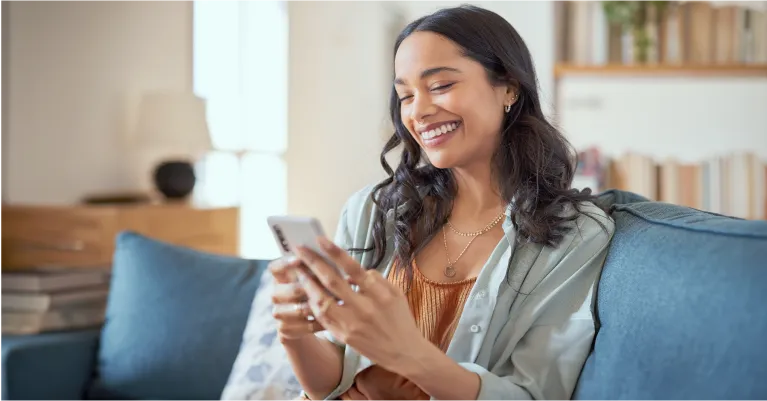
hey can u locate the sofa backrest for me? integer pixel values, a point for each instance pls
(681, 307)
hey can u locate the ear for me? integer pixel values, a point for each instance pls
(512, 93)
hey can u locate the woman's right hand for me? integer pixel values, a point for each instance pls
(289, 299)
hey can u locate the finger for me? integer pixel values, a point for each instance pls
(346, 397)
(353, 394)
(374, 285)
(342, 259)
(292, 312)
(324, 308)
(290, 293)
(328, 276)
(298, 329)
(283, 269)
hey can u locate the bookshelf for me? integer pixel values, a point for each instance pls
(562, 70)
(671, 99)
(695, 36)
(733, 184)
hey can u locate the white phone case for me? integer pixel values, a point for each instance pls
(293, 231)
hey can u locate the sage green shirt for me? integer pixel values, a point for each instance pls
(527, 327)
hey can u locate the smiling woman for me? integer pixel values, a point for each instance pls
(474, 261)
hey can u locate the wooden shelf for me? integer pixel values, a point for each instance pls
(750, 70)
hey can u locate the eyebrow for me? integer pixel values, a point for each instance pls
(428, 73)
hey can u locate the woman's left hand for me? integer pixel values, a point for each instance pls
(376, 321)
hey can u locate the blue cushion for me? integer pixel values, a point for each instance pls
(681, 306)
(174, 321)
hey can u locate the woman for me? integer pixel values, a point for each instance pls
(475, 263)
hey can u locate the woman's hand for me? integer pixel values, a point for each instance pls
(289, 299)
(376, 321)
(353, 394)
(377, 383)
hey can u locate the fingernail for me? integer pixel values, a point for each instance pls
(290, 259)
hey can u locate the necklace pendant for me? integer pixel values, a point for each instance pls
(449, 271)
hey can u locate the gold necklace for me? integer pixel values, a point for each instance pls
(450, 268)
(480, 232)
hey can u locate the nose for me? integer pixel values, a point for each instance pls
(422, 107)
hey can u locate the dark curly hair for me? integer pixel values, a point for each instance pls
(533, 166)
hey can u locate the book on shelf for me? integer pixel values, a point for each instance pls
(733, 184)
(591, 171)
(679, 33)
(53, 299)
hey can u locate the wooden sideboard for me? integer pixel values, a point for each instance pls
(84, 235)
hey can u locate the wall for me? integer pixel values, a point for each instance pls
(337, 103)
(71, 68)
(4, 86)
(692, 119)
(340, 75)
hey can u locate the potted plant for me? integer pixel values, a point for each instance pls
(633, 16)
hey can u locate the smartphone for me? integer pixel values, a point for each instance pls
(293, 231)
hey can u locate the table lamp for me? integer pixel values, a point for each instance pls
(174, 123)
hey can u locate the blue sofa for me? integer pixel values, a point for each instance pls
(681, 305)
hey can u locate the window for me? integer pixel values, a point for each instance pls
(241, 68)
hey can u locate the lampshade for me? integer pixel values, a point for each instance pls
(173, 122)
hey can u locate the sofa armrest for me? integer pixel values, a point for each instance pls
(48, 366)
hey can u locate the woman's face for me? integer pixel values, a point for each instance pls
(448, 104)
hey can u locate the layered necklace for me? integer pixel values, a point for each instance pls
(450, 268)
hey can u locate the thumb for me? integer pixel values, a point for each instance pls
(284, 270)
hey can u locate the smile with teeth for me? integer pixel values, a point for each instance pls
(445, 128)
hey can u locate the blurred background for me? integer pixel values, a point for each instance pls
(281, 107)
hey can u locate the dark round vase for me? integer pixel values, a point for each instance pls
(175, 179)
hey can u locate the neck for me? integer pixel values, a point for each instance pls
(478, 198)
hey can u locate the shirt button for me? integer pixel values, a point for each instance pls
(481, 294)
(474, 328)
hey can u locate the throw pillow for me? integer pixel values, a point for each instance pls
(261, 370)
(174, 321)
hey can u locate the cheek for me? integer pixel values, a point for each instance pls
(404, 115)
(482, 115)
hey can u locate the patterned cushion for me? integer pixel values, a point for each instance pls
(261, 370)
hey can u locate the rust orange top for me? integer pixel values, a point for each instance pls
(436, 306)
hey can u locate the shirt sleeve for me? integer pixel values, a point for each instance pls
(547, 360)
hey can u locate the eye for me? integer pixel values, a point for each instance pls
(442, 87)
(406, 97)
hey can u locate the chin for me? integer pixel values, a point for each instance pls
(441, 160)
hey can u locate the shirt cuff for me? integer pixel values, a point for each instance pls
(493, 387)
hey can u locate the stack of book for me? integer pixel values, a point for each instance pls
(42, 300)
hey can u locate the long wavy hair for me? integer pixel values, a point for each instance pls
(533, 166)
